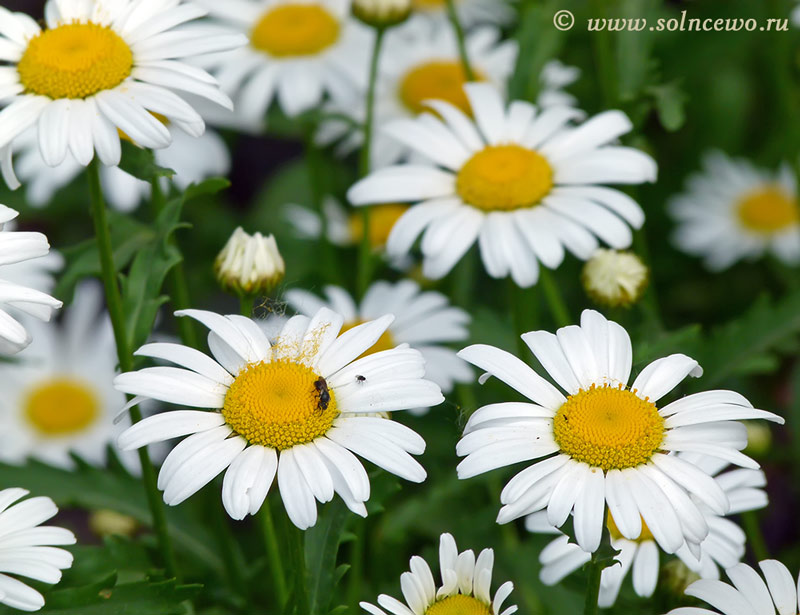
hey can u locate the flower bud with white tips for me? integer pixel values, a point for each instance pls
(382, 13)
(615, 278)
(249, 265)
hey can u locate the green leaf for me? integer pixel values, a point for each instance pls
(107, 598)
(141, 163)
(746, 344)
(94, 488)
(128, 237)
(321, 548)
(670, 103)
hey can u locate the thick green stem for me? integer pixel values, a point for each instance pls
(604, 56)
(592, 586)
(462, 46)
(365, 249)
(273, 554)
(246, 303)
(176, 279)
(117, 315)
(297, 556)
(552, 294)
(524, 308)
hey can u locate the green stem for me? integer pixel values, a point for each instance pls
(604, 55)
(297, 557)
(592, 586)
(176, 279)
(552, 294)
(246, 303)
(755, 537)
(117, 315)
(356, 572)
(273, 554)
(365, 249)
(524, 311)
(462, 46)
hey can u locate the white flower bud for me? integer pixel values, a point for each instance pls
(249, 264)
(382, 13)
(615, 279)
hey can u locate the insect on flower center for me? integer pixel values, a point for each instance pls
(768, 210)
(75, 60)
(61, 407)
(438, 79)
(459, 604)
(609, 428)
(504, 177)
(295, 30)
(645, 536)
(279, 404)
(381, 220)
(385, 341)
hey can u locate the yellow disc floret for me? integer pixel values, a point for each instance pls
(645, 536)
(768, 210)
(382, 219)
(504, 177)
(279, 404)
(609, 428)
(459, 604)
(75, 61)
(61, 407)
(295, 30)
(437, 79)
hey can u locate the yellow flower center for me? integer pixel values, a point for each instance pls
(504, 177)
(459, 604)
(385, 341)
(609, 428)
(768, 210)
(438, 79)
(381, 220)
(61, 407)
(279, 404)
(295, 30)
(645, 536)
(75, 61)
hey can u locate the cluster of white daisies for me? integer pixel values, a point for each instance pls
(302, 400)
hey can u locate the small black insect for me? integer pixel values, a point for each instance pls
(324, 395)
(360, 379)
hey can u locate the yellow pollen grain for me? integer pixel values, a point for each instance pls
(61, 407)
(645, 536)
(504, 178)
(437, 79)
(75, 60)
(768, 210)
(382, 219)
(295, 30)
(279, 404)
(608, 427)
(459, 604)
(385, 341)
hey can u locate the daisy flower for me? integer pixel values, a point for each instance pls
(192, 158)
(18, 247)
(735, 211)
(99, 68)
(425, 321)
(615, 278)
(749, 592)
(605, 442)
(417, 64)
(59, 398)
(25, 548)
(298, 51)
(519, 181)
(295, 409)
(466, 586)
(723, 547)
